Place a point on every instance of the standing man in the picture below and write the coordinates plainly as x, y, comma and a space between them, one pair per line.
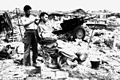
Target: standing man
30, 37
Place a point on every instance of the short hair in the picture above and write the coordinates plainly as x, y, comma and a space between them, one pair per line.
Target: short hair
42, 14
79, 29
27, 7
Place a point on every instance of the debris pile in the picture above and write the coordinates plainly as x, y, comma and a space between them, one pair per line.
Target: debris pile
95, 58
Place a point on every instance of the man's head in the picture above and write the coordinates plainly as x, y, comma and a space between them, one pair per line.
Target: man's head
79, 33
27, 10
44, 16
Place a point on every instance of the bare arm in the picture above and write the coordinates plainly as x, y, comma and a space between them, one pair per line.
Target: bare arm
24, 23
27, 23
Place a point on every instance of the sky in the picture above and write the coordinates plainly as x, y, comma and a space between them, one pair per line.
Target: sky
61, 5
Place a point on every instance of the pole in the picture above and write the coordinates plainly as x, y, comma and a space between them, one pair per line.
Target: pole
17, 13
91, 36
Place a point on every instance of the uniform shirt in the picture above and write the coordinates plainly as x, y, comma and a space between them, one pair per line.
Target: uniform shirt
46, 30
46, 27
26, 20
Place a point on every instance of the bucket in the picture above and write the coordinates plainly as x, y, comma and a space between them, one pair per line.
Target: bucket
95, 64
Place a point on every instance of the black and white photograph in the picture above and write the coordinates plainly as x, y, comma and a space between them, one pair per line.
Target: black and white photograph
59, 40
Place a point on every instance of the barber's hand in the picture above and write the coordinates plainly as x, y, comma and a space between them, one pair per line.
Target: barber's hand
36, 20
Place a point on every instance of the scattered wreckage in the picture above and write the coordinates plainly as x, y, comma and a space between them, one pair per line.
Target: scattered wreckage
6, 25
51, 49
67, 50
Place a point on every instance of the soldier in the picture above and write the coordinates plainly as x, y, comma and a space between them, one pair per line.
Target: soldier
30, 37
45, 26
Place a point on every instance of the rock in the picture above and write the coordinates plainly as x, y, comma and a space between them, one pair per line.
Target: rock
33, 78
61, 74
48, 74
70, 78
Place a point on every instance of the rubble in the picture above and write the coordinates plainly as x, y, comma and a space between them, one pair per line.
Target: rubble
103, 50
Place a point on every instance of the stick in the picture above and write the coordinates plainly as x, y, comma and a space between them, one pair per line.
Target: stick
91, 36
19, 23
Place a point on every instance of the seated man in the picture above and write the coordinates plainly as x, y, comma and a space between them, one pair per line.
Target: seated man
48, 39
45, 29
